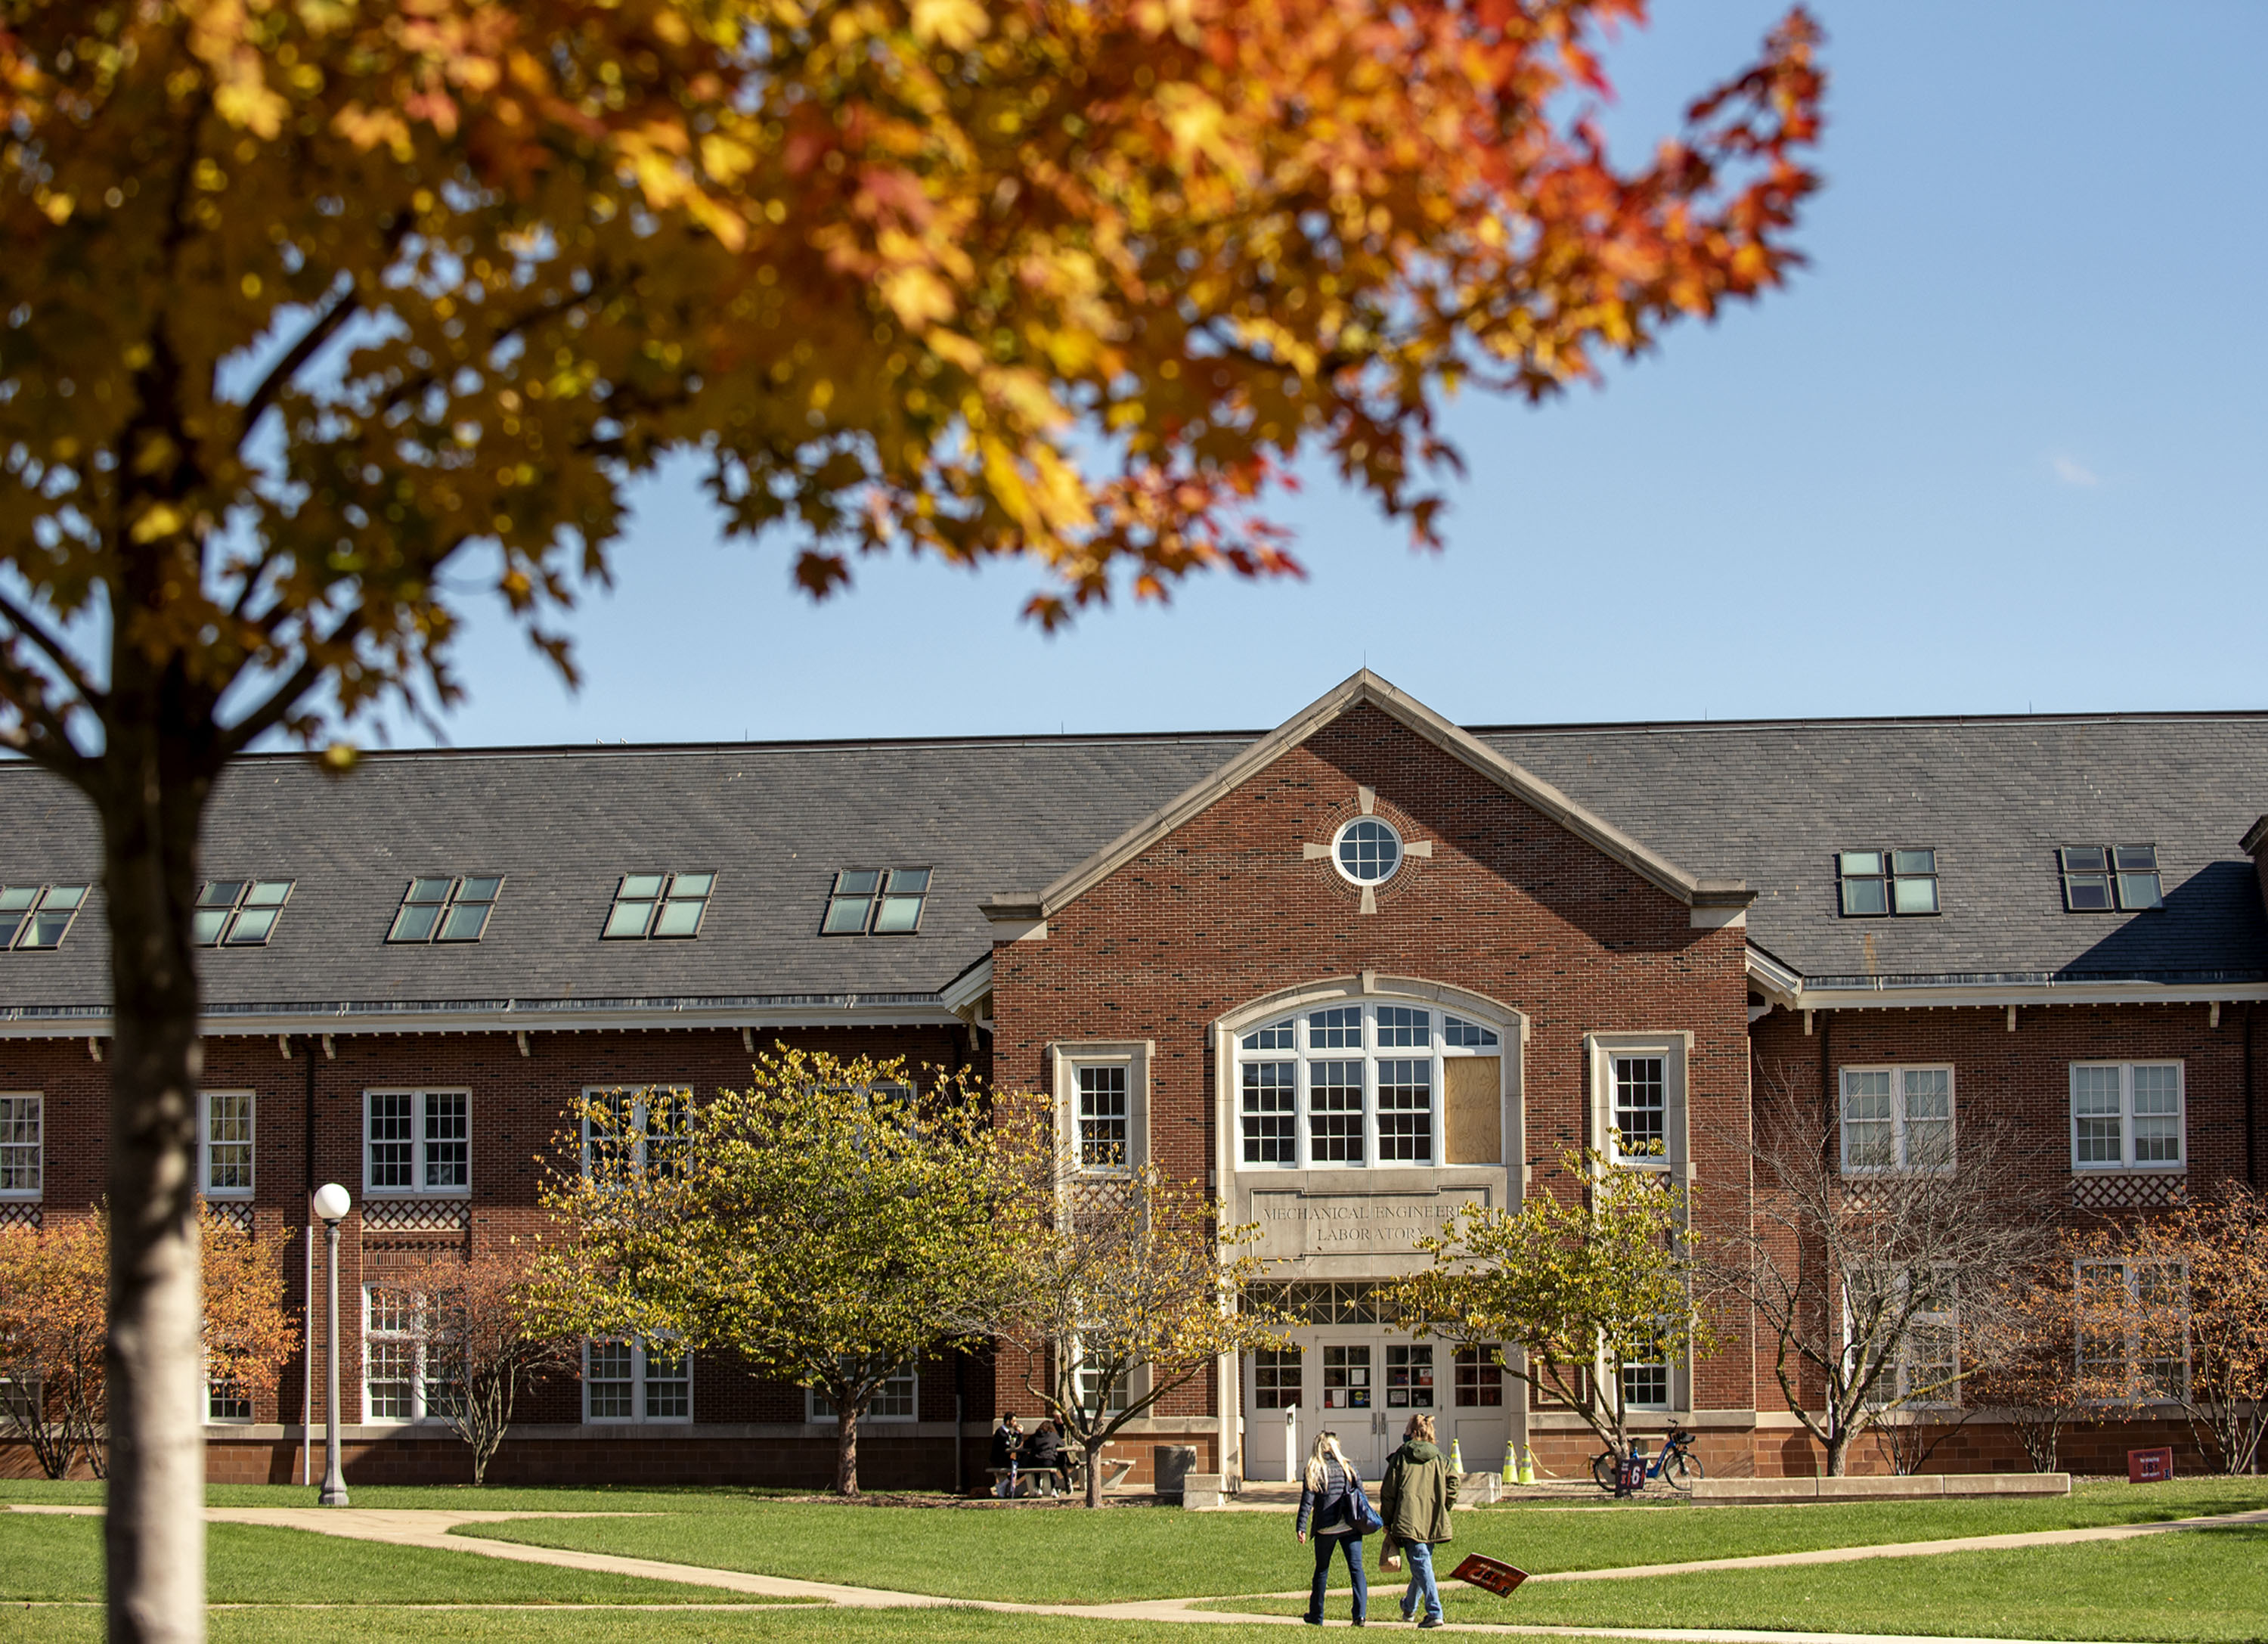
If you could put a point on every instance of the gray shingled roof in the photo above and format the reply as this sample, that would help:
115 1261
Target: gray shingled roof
1768 802
1772 803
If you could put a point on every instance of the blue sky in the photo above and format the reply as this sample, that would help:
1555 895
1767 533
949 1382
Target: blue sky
2000 448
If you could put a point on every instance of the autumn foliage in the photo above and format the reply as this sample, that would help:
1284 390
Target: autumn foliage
52 1326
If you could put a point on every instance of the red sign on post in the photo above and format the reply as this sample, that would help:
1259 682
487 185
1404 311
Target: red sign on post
2149 1466
1489 1574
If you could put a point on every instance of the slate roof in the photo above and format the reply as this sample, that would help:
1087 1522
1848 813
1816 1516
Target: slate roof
1769 802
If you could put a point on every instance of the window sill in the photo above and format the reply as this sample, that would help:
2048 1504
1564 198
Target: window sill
2095 1170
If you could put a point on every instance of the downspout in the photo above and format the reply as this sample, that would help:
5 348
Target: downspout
959 1392
2251 1117
307 1295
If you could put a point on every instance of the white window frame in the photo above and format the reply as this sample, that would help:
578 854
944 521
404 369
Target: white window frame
422 1413
2130 1350
1901 1148
14 1155
220 1388
1605 1050
205 1144
1303 1053
641 1116
820 1409
420 1141
1134 1057
640 1353
2126 1116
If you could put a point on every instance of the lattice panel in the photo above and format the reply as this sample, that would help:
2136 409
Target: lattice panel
19 1215
2154 1191
415 1215
240 1214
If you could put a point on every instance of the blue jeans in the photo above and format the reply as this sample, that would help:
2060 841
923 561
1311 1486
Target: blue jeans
1422 1585
1323 1546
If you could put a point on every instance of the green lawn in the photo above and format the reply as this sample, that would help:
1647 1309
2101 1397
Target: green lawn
49 1558
2197 1585
1075 1557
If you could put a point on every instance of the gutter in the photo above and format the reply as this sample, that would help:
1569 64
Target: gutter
1783 984
510 1015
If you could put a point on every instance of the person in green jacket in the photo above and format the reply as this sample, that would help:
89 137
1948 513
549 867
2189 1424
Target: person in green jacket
1415 1502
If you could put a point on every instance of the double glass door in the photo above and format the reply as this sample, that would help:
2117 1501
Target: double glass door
1362 1387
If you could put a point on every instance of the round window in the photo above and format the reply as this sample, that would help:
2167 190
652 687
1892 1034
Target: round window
1367 850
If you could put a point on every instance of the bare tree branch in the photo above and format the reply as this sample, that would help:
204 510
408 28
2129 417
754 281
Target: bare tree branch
57 654
279 702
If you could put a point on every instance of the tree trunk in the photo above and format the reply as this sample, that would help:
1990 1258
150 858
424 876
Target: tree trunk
1093 1473
1839 1448
846 1450
157 774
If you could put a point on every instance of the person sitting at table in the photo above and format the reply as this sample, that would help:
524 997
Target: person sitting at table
1007 1445
1043 1453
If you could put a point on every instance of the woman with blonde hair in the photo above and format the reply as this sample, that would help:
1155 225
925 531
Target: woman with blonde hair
1331 1503
1415 1500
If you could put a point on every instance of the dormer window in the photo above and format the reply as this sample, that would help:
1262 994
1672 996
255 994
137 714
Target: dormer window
659 906
443 909
38 917
1879 883
238 912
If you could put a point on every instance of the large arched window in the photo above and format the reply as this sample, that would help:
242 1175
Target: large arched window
1350 1084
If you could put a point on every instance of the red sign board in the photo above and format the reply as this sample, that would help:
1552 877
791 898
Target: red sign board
2149 1466
1490 1575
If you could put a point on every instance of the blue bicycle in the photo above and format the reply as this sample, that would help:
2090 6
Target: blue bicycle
1677 1463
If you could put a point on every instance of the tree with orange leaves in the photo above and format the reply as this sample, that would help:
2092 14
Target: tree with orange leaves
53 1324
309 303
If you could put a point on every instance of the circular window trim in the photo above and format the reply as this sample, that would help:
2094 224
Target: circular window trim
1338 863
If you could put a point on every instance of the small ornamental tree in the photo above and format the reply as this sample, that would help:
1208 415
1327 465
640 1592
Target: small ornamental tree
1859 1261
51 1337
53 1280
826 1225
1117 1286
1583 1287
314 313
483 1337
2037 1379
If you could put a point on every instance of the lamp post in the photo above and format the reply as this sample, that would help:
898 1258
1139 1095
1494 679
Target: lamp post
332 1204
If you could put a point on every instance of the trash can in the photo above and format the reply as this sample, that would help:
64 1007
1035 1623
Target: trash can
1171 1464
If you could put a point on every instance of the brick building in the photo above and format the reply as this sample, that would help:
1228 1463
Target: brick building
1356 972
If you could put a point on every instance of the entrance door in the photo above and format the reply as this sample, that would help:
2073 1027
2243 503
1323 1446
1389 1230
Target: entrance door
1346 1385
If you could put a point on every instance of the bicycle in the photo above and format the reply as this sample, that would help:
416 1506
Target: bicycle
1677 1463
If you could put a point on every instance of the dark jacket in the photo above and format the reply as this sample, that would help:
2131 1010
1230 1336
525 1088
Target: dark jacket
1332 1507
1005 1442
1417 1494
1044 1449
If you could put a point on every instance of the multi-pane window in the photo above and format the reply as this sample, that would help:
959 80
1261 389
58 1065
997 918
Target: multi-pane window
225 1144
402 1379
898 1399
2134 1332
1367 850
1409 1375
875 901
1104 1123
646 1122
659 906
2127 1115
1276 1381
38 916
2107 878
1405 1110
1641 1110
445 910
238 912
1480 1377
1346 1377
1087 1378
1898 1118
19 1145
227 1401
636 1382
1645 1383
1336 1120
1876 883
1270 1101
416 1141
1349 1084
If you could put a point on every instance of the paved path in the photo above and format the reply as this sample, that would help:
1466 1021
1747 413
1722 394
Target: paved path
430 1527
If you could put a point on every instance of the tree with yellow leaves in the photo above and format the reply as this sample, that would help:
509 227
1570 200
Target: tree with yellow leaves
314 310
826 1226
